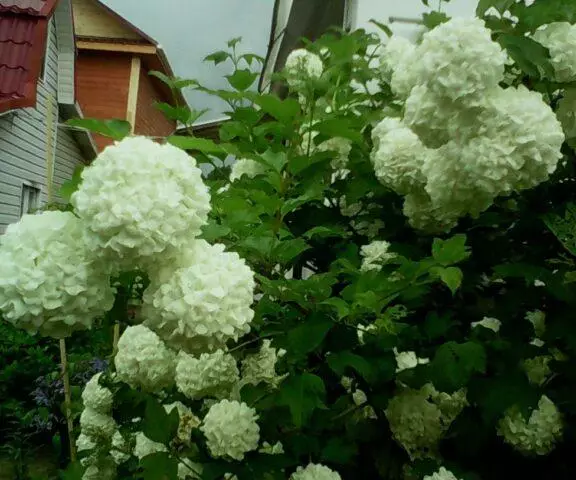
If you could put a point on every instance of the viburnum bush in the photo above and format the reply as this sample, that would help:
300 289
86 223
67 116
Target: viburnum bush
381 286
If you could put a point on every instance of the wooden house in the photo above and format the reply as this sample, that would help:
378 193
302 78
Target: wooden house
114 61
37 95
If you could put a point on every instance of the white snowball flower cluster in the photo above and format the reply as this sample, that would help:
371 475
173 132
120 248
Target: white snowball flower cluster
139 197
261 367
97 425
103 469
143 360
302 65
245 166
212 374
375 254
488 322
560 39
395 54
441 474
49 280
231 430
119 451
419 418
187 422
539 434
96 397
463 139
315 472
144 446
407 360
538 369
202 300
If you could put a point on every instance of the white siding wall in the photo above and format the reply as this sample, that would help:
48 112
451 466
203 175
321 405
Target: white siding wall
23 136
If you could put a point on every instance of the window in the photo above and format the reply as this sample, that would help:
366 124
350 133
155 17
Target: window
30 199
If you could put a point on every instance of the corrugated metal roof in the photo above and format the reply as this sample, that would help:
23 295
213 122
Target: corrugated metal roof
23 28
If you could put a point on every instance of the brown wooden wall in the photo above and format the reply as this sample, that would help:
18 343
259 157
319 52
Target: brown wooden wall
102 86
149 120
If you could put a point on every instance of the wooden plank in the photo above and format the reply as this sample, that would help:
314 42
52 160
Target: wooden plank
133 87
91 20
116 47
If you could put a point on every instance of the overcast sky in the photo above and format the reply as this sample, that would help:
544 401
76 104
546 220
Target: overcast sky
188 30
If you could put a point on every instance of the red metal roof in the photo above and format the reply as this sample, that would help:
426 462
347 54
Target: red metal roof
23 29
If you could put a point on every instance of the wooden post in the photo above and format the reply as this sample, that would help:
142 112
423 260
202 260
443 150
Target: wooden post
67 399
133 87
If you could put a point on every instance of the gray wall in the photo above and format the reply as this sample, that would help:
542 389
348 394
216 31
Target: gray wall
23 139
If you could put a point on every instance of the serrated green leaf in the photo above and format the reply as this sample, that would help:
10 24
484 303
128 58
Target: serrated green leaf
564 227
158 425
282 110
302 394
214 231
385 28
217 57
544 12
500 5
233 42
276 160
70 186
341 361
115 129
168 81
455 363
307 337
339 127
448 252
179 114
532 57
452 278
432 19
294 203
338 304
204 145
159 466
288 250
242 79
325 232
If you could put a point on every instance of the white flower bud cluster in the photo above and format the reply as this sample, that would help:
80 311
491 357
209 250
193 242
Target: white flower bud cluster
441 474
231 430
419 418
315 472
463 140
210 375
143 360
95 396
560 39
139 197
301 66
202 299
50 281
375 254
537 435
261 367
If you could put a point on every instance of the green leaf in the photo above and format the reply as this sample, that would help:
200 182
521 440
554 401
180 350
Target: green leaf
341 361
158 425
159 466
381 26
217 57
249 58
436 326
204 145
308 337
452 278
339 450
448 252
74 471
70 186
302 394
168 81
292 204
179 114
544 12
338 304
432 19
325 232
339 127
288 250
242 79
115 129
282 110
500 5
233 42
214 231
532 57
564 227
276 160
455 363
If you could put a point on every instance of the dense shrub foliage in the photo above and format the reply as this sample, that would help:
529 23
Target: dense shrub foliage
382 285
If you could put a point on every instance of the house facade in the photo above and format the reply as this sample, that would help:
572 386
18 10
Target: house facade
114 62
38 153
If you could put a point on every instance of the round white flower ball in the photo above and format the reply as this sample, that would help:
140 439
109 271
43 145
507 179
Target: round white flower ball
441 474
96 397
212 374
315 472
139 197
247 167
397 156
49 280
144 446
231 430
97 425
143 360
261 367
302 65
560 39
202 299
394 58
537 435
459 59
